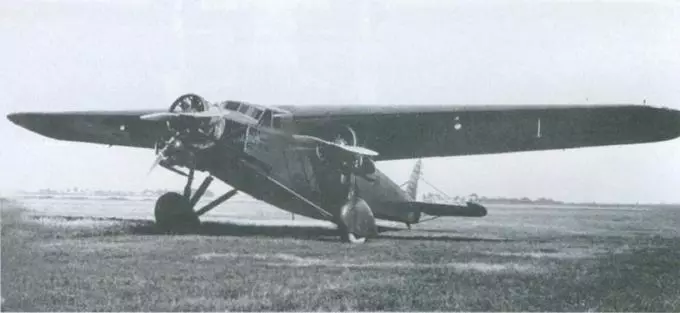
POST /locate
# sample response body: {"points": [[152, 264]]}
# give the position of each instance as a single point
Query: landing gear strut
{"points": [[175, 213]]}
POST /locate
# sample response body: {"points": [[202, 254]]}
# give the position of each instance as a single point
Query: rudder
{"points": [[412, 184]]}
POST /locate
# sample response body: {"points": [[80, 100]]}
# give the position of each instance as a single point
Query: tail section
{"points": [[412, 184], [435, 209], [410, 212]]}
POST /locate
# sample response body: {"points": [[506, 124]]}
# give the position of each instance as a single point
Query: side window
{"points": [[276, 122], [283, 121], [266, 119]]}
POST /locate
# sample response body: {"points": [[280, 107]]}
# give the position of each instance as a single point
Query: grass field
{"points": [[516, 259]]}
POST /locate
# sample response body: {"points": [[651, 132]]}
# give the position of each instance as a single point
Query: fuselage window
{"points": [[276, 122]]}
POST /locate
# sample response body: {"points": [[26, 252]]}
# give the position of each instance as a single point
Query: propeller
{"points": [[192, 125]]}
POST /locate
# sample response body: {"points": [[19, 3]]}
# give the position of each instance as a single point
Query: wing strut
{"points": [[292, 192]]}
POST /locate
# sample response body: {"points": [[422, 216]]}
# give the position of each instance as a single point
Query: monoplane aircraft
{"points": [[319, 161]]}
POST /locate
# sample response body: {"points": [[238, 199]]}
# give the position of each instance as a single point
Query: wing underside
{"points": [[402, 132], [122, 128]]}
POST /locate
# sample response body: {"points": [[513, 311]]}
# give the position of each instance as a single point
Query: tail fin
{"points": [[412, 184]]}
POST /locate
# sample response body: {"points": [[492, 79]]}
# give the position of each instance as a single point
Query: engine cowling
{"points": [[199, 133], [185, 136]]}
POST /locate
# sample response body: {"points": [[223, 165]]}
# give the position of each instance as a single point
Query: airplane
{"points": [[319, 161]]}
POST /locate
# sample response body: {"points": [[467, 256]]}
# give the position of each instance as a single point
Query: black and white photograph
{"points": [[332, 155]]}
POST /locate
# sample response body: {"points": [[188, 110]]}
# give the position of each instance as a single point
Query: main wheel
{"points": [[347, 236], [356, 222], [174, 214]]}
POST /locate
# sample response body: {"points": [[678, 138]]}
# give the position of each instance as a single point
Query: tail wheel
{"points": [[174, 214]]}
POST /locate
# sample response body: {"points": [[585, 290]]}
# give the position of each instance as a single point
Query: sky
{"points": [[108, 55]]}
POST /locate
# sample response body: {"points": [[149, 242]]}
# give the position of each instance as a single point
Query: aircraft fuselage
{"points": [[235, 157]]}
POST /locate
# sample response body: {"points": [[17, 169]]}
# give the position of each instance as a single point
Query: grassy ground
{"points": [[57, 264]]}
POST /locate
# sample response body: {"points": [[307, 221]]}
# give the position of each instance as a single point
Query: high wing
{"points": [[402, 132], [122, 128]]}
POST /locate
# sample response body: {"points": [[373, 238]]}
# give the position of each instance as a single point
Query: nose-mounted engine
{"points": [[187, 135]]}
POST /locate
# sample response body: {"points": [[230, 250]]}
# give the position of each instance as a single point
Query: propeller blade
{"points": [[358, 150], [232, 116], [304, 139], [161, 116], [158, 160], [161, 154]]}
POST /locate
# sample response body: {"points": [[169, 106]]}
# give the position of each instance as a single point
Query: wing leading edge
{"points": [[403, 132]]}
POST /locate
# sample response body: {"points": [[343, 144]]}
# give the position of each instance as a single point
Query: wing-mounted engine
{"points": [[338, 148]]}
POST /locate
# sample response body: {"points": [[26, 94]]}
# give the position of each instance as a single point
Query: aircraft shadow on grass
{"points": [[146, 227], [299, 232]]}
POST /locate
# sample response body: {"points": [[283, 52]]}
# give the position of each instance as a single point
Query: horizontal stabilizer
{"points": [[435, 209]]}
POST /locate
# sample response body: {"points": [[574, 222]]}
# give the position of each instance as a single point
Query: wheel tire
{"points": [[174, 214], [356, 222], [348, 237]]}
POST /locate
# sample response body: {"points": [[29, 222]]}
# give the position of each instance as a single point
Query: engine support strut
{"points": [[172, 169]]}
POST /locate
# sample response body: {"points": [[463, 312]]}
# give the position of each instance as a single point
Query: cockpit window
{"points": [[231, 105], [244, 108], [256, 113]]}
